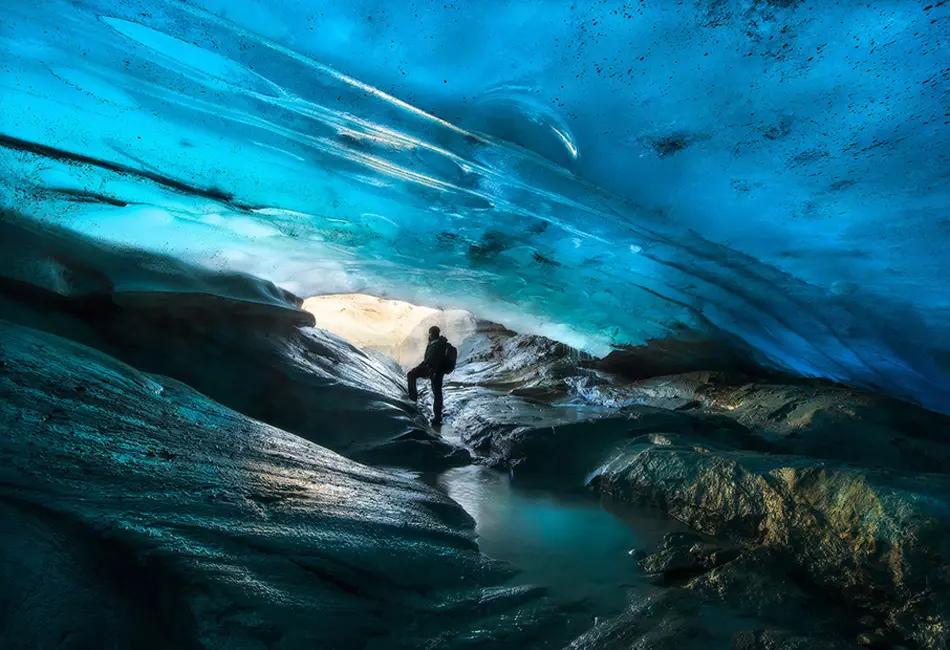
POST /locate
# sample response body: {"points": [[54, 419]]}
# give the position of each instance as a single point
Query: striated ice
{"points": [[603, 172]]}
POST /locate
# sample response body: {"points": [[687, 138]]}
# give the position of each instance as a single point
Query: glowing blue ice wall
{"points": [[600, 171]]}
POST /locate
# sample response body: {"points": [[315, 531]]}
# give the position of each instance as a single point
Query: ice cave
{"points": [[681, 269]]}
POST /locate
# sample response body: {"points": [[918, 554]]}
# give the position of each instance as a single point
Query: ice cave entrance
{"points": [[392, 327], [575, 545]]}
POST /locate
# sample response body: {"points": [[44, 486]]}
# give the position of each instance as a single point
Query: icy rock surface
{"points": [[235, 338], [139, 513], [601, 172]]}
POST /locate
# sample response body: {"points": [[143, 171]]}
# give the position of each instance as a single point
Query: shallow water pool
{"points": [[574, 544]]}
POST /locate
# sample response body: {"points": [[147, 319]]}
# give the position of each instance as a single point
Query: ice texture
{"points": [[601, 172]]}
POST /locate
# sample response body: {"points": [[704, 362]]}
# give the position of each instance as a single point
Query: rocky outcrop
{"points": [[825, 494], [508, 384], [877, 539], [238, 339], [747, 603], [816, 502], [522, 365], [685, 554], [139, 513], [800, 417], [568, 443], [490, 422], [683, 351]]}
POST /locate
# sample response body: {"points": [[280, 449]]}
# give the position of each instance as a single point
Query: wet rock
{"points": [[877, 538], [241, 536], [822, 420], [419, 450], [685, 352], [637, 553], [759, 585], [872, 640], [484, 419], [723, 556], [667, 619], [658, 579], [240, 340], [683, 555], [818, 419], [673, 618], [506, 362], [672, 563], [713, 611], [577, 447], [780, 640], [671, 540], [508, 384]]}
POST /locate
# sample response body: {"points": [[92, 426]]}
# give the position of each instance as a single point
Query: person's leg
{"points": [[412, 376], [437, 395]]}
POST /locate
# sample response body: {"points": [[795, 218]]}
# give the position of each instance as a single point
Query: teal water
{"points": [[575, 545]]}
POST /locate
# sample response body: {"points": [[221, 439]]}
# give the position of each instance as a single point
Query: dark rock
{"points": [[872, 640], [484, 418], [671, 540], [723, 556], [677, 619], [687, 351], [804, 418], [505, 362], [542, 440], [759, 585], [780, 640], [507, 384], [672, 563], [822, 420], [658, 579], [429, 454], [250, 537], [713, 611], [877, 538], [667, 619], [637, 553], [235, 338]]}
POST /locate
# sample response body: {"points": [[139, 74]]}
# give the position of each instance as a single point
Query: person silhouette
{"points": [[433, 367]]}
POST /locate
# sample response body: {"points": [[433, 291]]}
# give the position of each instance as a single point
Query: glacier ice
{"points": [[602, 172]]}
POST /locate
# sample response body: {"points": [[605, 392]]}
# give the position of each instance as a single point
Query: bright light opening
{"points": [[391, 327]]}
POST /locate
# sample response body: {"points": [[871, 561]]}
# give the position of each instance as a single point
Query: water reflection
{"points": [[570, 544]]}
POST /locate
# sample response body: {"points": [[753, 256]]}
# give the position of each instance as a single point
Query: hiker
{"points": [[439, 360]]}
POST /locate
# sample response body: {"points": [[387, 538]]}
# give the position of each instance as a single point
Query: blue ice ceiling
{"points": [[605, 172]]}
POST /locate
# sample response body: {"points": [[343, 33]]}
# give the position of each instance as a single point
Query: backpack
{"points": [[450, 358]]}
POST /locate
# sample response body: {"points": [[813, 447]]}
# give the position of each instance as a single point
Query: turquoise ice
{"points": [[770, 171]]}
